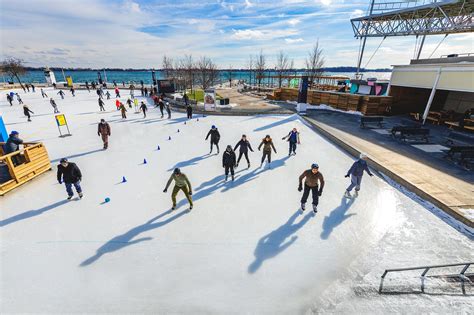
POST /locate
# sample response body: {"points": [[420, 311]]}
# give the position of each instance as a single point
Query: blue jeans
{"points": [[355, 182], [77, 185]]}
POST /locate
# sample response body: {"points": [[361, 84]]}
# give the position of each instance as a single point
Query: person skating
{"points": [[103, 130], [101, 104], [143, 108], [13, 145], [215, 137], [146, 92], [33, 87], [135, 102], [168, 110], [55, 106], [181, 183], [43, 94], [61, 93], [129, 103], [267, 144], [293, 138], [228, 162], [189, 111], [313, 180], [117, 104], [70, 174], [161, 104], [27, 87], [27, 111], [18, 98], [10, 99], [108, 95], [123, 110], [87, 87], [99, 93], [117, 92], [356, 172], [73, 91], [244, 146]]}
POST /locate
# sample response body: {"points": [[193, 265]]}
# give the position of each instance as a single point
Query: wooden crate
{"points": [[35, 161]]}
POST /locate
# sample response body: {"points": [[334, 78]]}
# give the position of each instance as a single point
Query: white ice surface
{"points": [[242, 249]]}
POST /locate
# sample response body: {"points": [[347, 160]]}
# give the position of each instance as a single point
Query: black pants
{"points": [[190, 114], [246, 156], [161, 110], [314, 192], [215, 143], [231, 168], [292, 148], [102, 108], [268, 155]]}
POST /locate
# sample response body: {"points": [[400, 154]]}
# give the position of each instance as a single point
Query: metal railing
{"points": [[426, 269]]}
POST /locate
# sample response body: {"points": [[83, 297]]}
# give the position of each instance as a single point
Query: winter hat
{"points": [[213, 127], [229, 148], [314, 165], [362, 156], [244, 136], [102, 120], [177, 171], [63, 160], [14, 132]]}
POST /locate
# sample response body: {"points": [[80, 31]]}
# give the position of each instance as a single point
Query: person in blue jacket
{"points": [[293, 138], [356, 171]]}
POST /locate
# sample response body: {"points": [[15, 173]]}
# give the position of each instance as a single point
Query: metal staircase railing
{"points": [[461, 275]]}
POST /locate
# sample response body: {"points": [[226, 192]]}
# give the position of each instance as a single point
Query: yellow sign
{"points": [[69, 81], [61, 120]]}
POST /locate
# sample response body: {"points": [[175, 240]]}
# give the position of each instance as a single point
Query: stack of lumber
{"points": [[375, 105]]}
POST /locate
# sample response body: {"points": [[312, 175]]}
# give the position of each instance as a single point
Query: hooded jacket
{"points": [[12, 144], [244, 146], [228, 158], [215, 135], [267, 145]]}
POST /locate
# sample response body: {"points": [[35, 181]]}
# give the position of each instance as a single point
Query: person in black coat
{"points": [[245, 146], [189, 111], [215, 137], [71, 175], [27, 111], [228, 162], [13, 145]]}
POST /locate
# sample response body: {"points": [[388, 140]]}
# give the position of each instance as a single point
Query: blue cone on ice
{"points": [[124, 180], [158, 148], [169, 138], [144, 161], [198, 119], [185, 123], [107, 200], [178, 130]]}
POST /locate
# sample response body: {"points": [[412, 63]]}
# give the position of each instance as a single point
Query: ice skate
{"points": [[236, 165], [69, 197], [315, 209], [303, 207], [173, 207], [81, 195], [233, 178], [225, 178], [190, 207], [356, 193], [248, 166], [347, 194]]}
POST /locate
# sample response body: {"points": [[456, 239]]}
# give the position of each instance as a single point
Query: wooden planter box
{"points": [[24, 165]]}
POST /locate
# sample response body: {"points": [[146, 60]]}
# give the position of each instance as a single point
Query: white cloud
{"points": [[248, 4], [293, 40], [293, 22], [254, 34], [357, 13], [203, 25], [325, 2]]}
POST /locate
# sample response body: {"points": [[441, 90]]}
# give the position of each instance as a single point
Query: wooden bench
{"points": [[459, 138], [405, 133], [464, 155], [371, 120]]}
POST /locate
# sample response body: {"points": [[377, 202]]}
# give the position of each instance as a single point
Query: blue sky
{"points": [[138, 33]]}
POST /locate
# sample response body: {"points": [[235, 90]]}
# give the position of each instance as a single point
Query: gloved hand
{"points": [[165, 190], [320, 193], [283, 138], [371, 175], [98, 133], [275, 151], [190, 193], [347, 175], [300, 187], [60, 182]]}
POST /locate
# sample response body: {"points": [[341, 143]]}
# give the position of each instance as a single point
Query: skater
{"points": [[87, 87], [99, 93], [43, 94], [142, 91], [228, 162], [18, 98], [10, 99], [312, 178], [117, 104], [71, 175], [61, 93], [129, 103], [186, 99], [181, 183], [146, 92], [143, 108], [123, 110], [245, 146], [189, 111], [162, 106], [293, 138], [215, 137], [267, 144], [115, 83], [55, 106], [168, 110], [33, 88], [108, 95], [117, 92], [356, 171], [27, 87], [27, 111], [103, 130], [73, 92], [135, 102], [101, 105]]}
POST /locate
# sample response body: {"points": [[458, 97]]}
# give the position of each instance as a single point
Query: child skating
{"points": [[356, 171], [267, 144], [293, 138], [215, 137]]}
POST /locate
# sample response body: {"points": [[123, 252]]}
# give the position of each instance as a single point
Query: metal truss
{"points": [[437, 17]]}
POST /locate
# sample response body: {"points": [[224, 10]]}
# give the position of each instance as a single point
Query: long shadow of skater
{"points": [[277, 123], [78, 155], [276, 241], [336, 217], [121, 241], [190, 162], [31, 213], [177, 120]]}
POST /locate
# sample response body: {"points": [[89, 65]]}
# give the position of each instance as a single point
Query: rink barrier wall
{"points": [[400, 180], [24, 165]]}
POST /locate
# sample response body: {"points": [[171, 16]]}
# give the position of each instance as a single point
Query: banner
{"points": [[61, 120], [69, 81], [209, 100]]}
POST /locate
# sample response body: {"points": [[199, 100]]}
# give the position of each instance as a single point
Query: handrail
{"points": [[425, 271], [27, 145]]}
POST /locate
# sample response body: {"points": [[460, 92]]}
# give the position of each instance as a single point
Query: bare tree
{"points": [[283, 65], [14, 68], [167, 65], [314, 63], [250, 65], [206, 72], [229, 74], [260, 64]]}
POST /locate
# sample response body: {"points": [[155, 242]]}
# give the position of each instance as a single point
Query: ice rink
{"points": [[244, 248]]}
